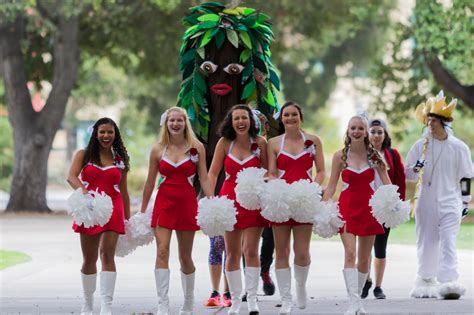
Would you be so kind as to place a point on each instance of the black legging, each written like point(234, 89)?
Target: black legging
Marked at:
point(380, 244)
point(266, 251)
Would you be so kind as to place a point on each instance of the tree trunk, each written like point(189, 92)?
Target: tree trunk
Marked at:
point(33, 133)
point(449, 82)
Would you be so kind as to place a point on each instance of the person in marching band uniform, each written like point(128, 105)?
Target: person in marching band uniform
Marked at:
point(356, 164)
point(103, 166)
point(381, 141)
point(442, 165)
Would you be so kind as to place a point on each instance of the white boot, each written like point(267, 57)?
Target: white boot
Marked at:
point(234, 279)
point(361, 278)
point(350, 277)
point(107, 286)
point(187, 281)
point(301, 275)
point(283, 276)
point(88, 288)
point(252, 274)
point(162, 281)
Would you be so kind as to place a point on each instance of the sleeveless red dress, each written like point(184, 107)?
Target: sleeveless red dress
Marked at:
point(176, 203)
point(357, 189)
point(232, 166)
point(292, 168)
point(104, 179)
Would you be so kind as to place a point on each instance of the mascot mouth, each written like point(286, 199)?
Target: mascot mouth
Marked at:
point(221, 89)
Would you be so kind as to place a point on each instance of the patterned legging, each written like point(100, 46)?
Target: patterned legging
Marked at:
point(217, 250)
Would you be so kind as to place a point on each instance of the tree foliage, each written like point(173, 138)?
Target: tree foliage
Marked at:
point(434, 51)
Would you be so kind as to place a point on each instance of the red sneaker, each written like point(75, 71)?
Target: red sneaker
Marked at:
point(214, 300)
point(226, 300)
point(268, 285)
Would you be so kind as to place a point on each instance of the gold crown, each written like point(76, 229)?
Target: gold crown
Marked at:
point(436, 106)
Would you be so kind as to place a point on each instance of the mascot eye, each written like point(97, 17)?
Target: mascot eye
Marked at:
point(208, 67)
point(234, 68)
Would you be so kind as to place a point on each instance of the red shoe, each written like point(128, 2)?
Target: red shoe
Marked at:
point(226, 300)
point(214, 300)
point(268, 285)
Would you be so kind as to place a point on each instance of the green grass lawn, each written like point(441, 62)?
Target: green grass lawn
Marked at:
point(10, 258)
point(405, 234)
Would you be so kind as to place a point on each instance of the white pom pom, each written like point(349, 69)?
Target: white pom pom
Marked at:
point(138, 232)
point(305, 200)
point(90, 209)
point(387, 208)
point(250, 184)
point(102, 205)
point(327, 220)
point(216, 215)
point(276, 201)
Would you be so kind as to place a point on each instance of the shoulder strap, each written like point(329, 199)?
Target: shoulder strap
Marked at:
point(230, 147)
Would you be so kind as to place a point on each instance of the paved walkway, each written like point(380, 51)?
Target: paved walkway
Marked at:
point(50, 283)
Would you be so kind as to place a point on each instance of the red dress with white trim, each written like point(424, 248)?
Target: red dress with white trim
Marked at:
point(292, 168)
point(357, 189)
point(176, 204)
point(232, 166)
point(104, 179)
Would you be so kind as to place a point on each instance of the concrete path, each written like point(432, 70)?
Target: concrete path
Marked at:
point(50, 283)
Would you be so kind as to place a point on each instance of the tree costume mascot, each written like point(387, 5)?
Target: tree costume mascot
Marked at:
point(225, 60)
point(441, 163)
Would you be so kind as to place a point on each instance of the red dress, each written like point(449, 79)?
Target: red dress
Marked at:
point(232, 166)
point(176, 203)
point(105, 179)
point(358, 187)
point(292, 168)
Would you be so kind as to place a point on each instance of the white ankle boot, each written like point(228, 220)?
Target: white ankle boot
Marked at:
point(301, 275)
point(162, 281)
point(283, 276)
point(88, 288)
point(252, 274)
point(234, 279)
point(187, 281)
point(107, 286)
point(351, 279)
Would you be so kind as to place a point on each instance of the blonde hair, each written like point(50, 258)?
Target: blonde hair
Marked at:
point(189, 136)
point(347, 141)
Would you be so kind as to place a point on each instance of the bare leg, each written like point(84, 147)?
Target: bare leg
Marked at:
point(108, 242)
point(90, 253)
point(163, 239)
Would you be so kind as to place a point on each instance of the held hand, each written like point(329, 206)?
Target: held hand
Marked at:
point(419, 165)
point(465, 210)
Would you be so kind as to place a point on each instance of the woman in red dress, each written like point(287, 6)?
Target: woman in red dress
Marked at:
point(177, 156)
point(356, 164)
point(291, 156)
point(102, 166)
point(238, 148)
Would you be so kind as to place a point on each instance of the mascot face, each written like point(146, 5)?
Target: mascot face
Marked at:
point(224, 74)
point(225, 60)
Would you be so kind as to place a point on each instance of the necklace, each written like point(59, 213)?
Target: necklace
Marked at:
point(435, 160)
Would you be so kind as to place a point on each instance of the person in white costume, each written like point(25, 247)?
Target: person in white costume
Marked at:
point(441, 163)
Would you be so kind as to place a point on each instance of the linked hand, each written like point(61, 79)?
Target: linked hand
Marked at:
point(465, 210)
point(419, 165)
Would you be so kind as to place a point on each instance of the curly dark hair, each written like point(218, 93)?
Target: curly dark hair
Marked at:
point(281, 127)
point(227, 131)
point(387, 141)
point(92, 153)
